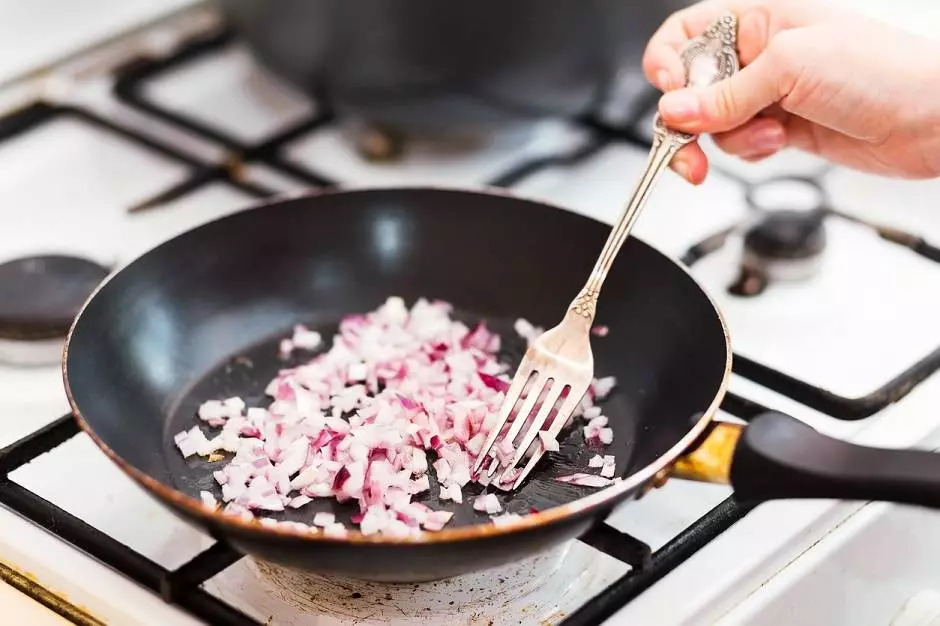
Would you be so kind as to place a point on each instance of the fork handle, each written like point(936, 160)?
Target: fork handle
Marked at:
point(665, 145)
point(717, 47)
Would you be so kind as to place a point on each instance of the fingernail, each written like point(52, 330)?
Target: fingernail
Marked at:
point(662, 80)
point(679, 105)
point(767, 139)
point(682, 169)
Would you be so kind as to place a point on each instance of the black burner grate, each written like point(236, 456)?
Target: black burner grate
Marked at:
point(183, 586)
point(134, 76)
point(823, 400)
point(201, 174)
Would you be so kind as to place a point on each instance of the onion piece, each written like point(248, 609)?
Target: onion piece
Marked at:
point(584, 480)
point(436, 520)
point(324, 519)
point(335, 530)
point(299, 501)
point(549, 443)
point(208, 499)
point(452, 492)
point(487, 503)
point(505, 519)
point(306, 339)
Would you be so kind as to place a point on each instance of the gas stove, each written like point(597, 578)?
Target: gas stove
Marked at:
point(825, 277)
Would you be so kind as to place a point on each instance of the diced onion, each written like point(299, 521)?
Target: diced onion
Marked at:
point(400, 397)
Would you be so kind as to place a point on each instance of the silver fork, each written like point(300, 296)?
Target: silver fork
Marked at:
point(561, 359)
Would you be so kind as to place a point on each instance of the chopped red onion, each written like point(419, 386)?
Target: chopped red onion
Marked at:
point(324, 519)
point(549, 443)
point(335, 530)
point(585, 480)
point(603, 386)
point(452, 492)
point(306, 339)
point(600, 331)
point(493, 382)
point(208, 499)
point(591, 412)
point(487, 503)
point(505, 519)
point(299, 501)
point(358, 421)
point(436, 520)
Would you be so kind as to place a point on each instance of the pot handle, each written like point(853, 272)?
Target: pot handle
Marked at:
point(778, 457)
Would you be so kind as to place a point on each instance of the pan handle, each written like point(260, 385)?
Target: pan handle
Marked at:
point(778, 457)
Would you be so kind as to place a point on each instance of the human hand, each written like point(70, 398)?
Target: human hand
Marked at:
point(818, 78)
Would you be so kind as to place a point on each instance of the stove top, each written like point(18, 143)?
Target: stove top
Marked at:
point(825, 286)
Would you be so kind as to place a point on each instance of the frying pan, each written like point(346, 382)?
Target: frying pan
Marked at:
point(199, 317)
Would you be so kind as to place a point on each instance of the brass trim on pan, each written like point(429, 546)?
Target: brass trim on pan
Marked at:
point(197, 509)
point(710, 461)
point(49, 599)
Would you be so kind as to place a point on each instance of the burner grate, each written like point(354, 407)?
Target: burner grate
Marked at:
point(201, 174)
point(133, 78)
point(183, 585)
point(129, 88)
point(663, 561)
point(180, 586)
point(823, 400)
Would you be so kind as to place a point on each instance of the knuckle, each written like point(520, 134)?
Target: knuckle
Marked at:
point(725, 101)
point(784, 48)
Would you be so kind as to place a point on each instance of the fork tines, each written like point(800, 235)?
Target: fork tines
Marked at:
point(534, 393)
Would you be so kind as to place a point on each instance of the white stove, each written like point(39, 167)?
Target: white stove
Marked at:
point(79, 162)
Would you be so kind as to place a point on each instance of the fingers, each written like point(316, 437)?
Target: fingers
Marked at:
point(690, 163)
point(726, 104)
point(756, 139)
point(661, 62)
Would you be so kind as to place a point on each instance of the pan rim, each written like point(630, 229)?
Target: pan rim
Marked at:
point(613, 494)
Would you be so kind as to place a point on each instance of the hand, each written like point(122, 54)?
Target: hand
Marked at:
point(818, 78)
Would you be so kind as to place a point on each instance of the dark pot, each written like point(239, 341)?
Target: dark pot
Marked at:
point(432, 67)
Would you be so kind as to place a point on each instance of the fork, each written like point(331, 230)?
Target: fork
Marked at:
point(559, 364)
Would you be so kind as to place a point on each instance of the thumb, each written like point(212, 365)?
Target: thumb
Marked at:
point(724, 105)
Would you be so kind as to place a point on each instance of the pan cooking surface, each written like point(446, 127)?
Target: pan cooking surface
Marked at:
point(247, 373)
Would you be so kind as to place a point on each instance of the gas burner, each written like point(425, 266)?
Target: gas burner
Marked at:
point(783, 245)
point(536, 590)
point(39, 298)
point(377, 145)
point(790, 193)
point(787, 237)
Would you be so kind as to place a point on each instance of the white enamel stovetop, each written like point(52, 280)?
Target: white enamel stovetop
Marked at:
point(870, 312)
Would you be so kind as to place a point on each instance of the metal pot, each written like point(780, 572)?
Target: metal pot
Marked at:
point(426, 67)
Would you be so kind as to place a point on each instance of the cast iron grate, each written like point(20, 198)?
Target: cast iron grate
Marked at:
point(133, 78)
point(200, 174)
point(823, 400)
point(129, 88)
point(183, 586)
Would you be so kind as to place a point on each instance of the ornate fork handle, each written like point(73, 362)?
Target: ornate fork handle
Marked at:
point(707, 59)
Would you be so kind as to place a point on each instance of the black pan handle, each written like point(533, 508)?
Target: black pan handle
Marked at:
point(779, 457)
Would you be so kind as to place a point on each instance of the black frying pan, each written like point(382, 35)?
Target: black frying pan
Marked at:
point(173, 328)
